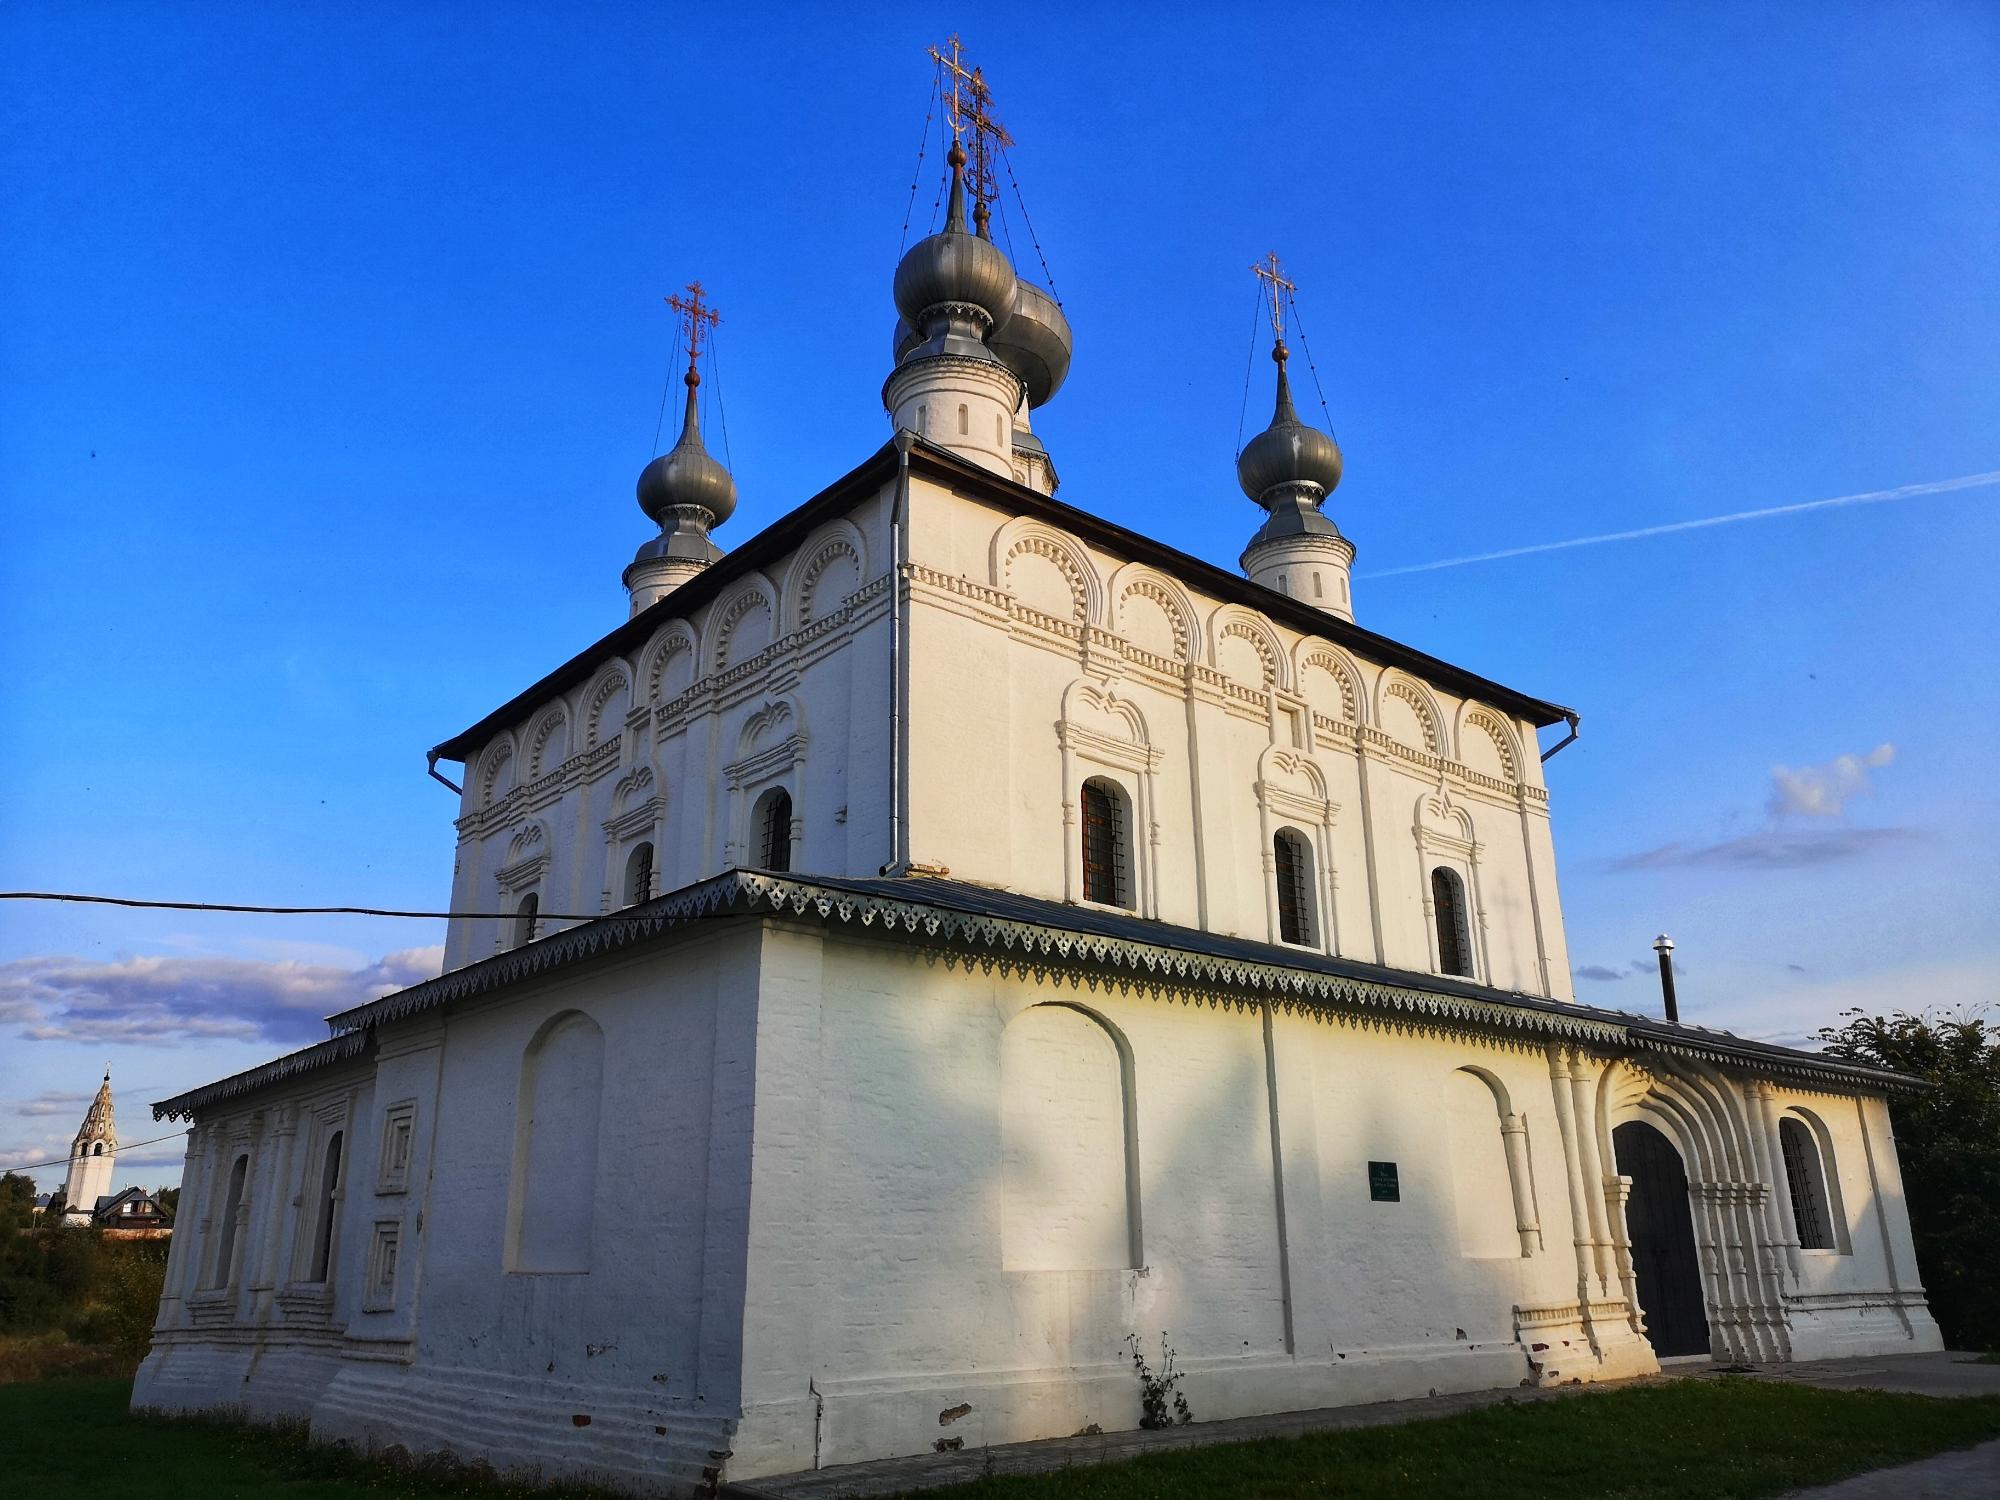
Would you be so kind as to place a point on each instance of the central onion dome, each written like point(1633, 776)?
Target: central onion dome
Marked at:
point(954, 268)
point(1288, 460)
point(686, 477)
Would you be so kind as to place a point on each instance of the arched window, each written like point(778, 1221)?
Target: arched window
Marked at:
point(639, 875)
point(773, 824)
point(964, 421)
point(554, 1206)
point(1808, 1184)
point(98, 1149)
point(1106, 844)
point(329, 1186)
point(1066, 1133)
point(524, 919)
point(232, 1204)
point(1454, 935)
point(1295, 885)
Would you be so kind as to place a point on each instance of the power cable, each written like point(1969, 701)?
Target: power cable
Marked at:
point(286, 911)
point(63, 1161)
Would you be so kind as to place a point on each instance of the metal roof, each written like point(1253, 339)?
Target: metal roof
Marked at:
point(789, 530)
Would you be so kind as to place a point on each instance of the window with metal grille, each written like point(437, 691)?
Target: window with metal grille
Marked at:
point(1808, 1185)
point(776, 830)
point(1453, 934)
point(524, 918)
point(639, 875)
point(1295, 903)
point(1104, 844)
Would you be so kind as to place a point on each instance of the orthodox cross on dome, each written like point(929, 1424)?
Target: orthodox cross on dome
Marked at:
point(969, 107)
point(1267, 270)
point(697, 318)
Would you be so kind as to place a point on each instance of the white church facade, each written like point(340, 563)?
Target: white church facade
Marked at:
point(952, 934)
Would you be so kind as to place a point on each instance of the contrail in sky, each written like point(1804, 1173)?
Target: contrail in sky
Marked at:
point(1866, 497)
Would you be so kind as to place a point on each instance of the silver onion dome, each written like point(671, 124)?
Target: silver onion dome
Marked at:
point(954, 265)
point(686, 477)
point(1288, 459)
point(1034, 341)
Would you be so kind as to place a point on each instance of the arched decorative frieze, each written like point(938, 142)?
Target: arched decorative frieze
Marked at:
point(496, 771)
point(548, 741)
point(1486, 743)
point(1103, 733)
point(605, 703)
point(668, 663)
point(1024, 547)
point(742, 624)
point(831, 565)
point(1329, 681)
point(1154, 613)
point(1235, 634)
point(1401, 699)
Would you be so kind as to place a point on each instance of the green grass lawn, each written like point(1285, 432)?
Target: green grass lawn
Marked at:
point(1708, 1438)
point(1716, 1437)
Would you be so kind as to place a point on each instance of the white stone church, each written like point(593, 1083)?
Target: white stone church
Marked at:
point(951, 933)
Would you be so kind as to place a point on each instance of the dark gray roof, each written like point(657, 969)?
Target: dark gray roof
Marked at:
point(1100, 946)
point(789, 530)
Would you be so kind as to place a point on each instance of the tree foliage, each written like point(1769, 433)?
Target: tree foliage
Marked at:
point(1948, 1137)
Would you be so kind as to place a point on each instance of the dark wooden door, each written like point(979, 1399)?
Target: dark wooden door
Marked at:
point(1662, 1229)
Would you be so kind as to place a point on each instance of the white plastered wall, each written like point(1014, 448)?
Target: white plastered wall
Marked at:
point(1037, 661)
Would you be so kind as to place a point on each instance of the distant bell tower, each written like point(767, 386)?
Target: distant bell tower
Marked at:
point(1290, 468)
point(91, 1155)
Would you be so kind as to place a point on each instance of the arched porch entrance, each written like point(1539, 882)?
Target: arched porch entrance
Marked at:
point(1661, 1228)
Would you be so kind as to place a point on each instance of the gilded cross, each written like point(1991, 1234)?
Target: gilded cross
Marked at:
point(1267, 270)
point(697, 317)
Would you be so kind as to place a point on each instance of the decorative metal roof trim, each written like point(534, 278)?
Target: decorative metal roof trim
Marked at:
point(338, 1049)
point(1043, 945)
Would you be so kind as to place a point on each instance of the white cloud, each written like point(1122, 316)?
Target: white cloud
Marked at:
point(156, 999)
point(1824, 791)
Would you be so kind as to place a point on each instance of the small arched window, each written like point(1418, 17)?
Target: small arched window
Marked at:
point(232, 1205)
point(524, 919)
point(923, 421)
point(329, 1188)
point(999, 432)
point(1295, 886)
point(1454, 935)
point(639, 875)
point(98, 1149)
point(1808, 1184)
point(1106, 844)
point(774, 830)
point(964, 420)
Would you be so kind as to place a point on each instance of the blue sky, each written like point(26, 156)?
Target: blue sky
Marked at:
point(333, 344)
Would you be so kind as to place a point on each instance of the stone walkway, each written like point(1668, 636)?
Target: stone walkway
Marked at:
point(1923, 1374)
point(1968, 1474)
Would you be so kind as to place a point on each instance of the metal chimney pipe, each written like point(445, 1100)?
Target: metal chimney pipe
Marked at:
point(1664, 946)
